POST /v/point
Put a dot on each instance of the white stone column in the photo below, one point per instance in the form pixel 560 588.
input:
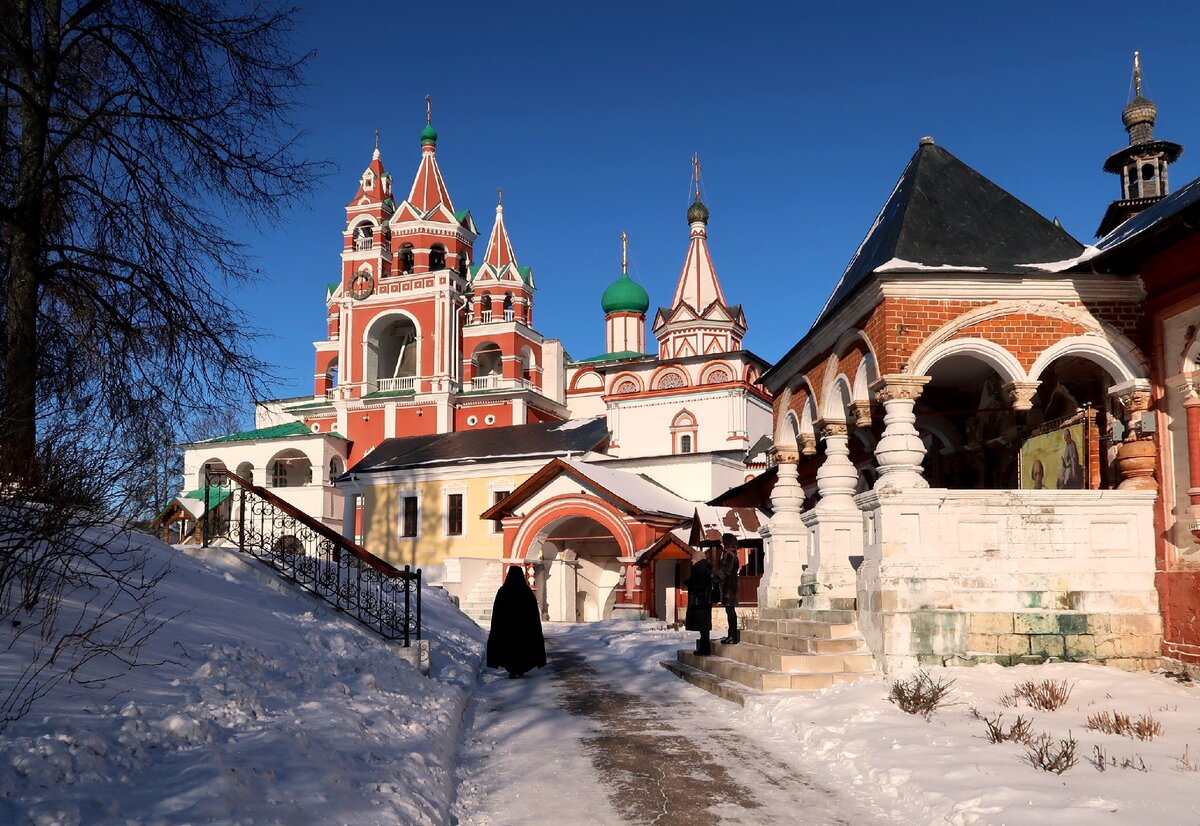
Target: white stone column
pixel 784 536
pixel 900 451
pixel 349 512
pixel 837 478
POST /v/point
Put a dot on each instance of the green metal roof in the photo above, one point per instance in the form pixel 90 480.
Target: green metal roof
pixel 331 287
pixel 429 134
pixel 380 394
pixel 623 354
pixel 462 214
pixel 211 496
pixel 525 273
pixel 309 406
pixel 273 432
pixel 625 296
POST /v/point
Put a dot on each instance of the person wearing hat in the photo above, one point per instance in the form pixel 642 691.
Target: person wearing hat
pixel 699 607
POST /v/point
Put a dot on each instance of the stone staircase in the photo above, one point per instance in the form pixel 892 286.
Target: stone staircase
pixel 478 604
pixel 785 649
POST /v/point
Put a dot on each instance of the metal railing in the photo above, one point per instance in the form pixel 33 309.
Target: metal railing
pixel 314 556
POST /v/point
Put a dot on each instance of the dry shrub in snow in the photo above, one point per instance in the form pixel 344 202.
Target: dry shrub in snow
pixel 921 693
pixel 1145 727
pixel 1019 732
pixel 1052 755
pixel 1046 695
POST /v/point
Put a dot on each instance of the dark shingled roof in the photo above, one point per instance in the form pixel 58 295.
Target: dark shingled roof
pixel 488 444
pixel 1148 220
pixel 943 212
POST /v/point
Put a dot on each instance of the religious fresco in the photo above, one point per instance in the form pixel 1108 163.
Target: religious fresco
pixel 1056 459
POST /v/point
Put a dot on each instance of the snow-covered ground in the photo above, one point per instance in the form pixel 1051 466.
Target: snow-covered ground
pixel 271 708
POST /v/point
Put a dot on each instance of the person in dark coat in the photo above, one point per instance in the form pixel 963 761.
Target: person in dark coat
pixel 727 579
pixel 515 641
pixel 699 607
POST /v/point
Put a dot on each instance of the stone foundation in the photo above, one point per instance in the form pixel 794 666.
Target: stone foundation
pixel 968 577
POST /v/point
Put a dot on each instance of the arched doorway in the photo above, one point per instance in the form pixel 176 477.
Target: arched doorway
pixel 580 571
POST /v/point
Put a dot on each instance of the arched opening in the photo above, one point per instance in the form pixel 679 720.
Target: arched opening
pixel 364 236
pixel 437 257
pixel 684 431
pixel 289 469
pixel 528 363
pixel 405 259
pixel 508 307
pixel 336 468
pixel 246 471
pixel 580 572
pixel 487 366
pixel 211 467
pixel 392 354
pixel 485 307
pixel 968 426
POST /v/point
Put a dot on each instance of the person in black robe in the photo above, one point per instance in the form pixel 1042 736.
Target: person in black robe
pixel 515 642
pixel 699 606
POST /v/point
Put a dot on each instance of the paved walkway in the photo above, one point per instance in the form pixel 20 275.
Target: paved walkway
pixel 597 739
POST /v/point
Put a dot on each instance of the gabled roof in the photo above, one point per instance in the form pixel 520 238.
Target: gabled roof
pixel 632 492
pixel 487 445
pixel 500 261
pixel 944 214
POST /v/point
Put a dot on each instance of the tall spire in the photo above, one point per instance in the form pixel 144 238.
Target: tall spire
pixel 1142 165
pixel 375 155
pixel 699 321
pixel 499 249
pixel 429 189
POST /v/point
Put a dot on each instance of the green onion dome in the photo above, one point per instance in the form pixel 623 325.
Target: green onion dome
pixel 625 296
pixel 697 212
pixel 428 134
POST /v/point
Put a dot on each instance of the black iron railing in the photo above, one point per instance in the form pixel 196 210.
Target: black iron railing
pixel 319 559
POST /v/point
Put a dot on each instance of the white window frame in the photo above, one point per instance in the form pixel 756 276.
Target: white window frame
pixel 447 492
pixel 400 497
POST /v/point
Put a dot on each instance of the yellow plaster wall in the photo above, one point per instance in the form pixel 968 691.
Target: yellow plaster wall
pixel 381 520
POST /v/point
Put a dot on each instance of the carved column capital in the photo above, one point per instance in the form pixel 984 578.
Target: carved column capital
pixel 862 413
pixel 1133 395
pixel 785 455
pixel 808 444
pixel 830 427
pixel 889 388
pixel 1020 394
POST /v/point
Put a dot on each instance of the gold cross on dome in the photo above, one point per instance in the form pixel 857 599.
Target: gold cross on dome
pixel 696 172
pixel 624 253
pixel 1137 74
pixel 428 109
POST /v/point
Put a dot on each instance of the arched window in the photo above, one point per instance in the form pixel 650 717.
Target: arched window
pixel 1133 182
pixel 406 259
pixel 437 257
pixel 279 475
pixel 683 432
pixel 670 380
pixel 335 468
pixel 508 307
pixel 485 307
pixel 363 236
pixel 624 386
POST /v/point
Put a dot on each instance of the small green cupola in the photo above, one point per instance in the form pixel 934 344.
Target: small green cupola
pixel 625 295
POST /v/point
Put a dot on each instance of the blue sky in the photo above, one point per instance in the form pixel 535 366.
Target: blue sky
pixel 804 117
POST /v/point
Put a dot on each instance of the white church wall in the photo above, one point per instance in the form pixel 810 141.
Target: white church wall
pixel 648 426
pixel 696 477
pixel 962 577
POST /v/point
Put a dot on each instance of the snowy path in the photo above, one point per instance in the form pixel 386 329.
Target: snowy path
pixel 599 737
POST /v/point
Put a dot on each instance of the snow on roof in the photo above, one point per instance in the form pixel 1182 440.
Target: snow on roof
pixel 900 264
pixel 710 521
pixel 635 489
pixel 1088 253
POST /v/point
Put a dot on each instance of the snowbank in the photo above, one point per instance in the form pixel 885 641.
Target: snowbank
pixel 268 707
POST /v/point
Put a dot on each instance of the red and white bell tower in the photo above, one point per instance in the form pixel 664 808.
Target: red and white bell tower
pixel 418 340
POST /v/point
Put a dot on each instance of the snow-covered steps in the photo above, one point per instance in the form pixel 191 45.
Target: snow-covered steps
pixel 478 604
pixel 785 649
